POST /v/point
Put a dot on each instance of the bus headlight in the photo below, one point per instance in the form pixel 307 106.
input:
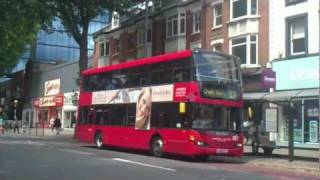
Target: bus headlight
pixel 239 145
pixel 201 143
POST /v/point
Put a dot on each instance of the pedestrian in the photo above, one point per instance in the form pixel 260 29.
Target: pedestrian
pixel 57 125
pixel 52 123
pixel 2 120
pixel 15 115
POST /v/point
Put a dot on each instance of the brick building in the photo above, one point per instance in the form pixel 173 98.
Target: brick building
pixel 234 27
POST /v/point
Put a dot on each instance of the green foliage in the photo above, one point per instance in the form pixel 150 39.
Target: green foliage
pixel 20 20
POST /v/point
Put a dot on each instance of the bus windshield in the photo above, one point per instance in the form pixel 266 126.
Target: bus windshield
pixel 215 67
pixel 218 75
pixel 211 117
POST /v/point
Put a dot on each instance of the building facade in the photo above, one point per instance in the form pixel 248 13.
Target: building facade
pixel 53 93
pixel 294 53
pixel 234 27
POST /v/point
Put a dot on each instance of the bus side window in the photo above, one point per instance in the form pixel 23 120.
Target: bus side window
pixel 161 73
pixel 91 116
pixel 181 70
pixel 131 115
pixel 139 76
pixel 118 115
pixel 83 115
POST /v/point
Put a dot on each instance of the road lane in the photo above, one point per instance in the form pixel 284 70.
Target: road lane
pixel 43 159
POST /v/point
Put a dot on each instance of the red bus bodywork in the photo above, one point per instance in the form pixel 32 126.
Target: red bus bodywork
pixel 176 141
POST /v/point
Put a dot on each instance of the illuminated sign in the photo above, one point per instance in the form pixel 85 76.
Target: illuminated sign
pixel 297 73
pixel 212 92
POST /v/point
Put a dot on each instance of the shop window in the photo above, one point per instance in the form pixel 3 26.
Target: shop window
pixel 311 126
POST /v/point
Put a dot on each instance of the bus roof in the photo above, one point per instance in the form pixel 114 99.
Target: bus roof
pixel 139 62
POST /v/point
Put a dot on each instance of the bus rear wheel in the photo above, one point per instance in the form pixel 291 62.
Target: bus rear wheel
pixel 98 140
pixel 157 147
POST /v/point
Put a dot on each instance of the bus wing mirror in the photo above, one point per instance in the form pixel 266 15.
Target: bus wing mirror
pixel 182 107
pixel 250 112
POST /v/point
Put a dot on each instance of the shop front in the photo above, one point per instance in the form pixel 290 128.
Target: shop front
pixel 48 107
pixel 297 99
pixel 69 109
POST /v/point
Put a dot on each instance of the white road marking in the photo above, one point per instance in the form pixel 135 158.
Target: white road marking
pixel 76 151
pixel 20 142
pixel 143 164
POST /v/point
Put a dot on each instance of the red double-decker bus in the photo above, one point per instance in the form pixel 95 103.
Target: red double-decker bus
pixel 187 103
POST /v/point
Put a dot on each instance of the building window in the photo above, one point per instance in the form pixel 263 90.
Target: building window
pixel 217 47
pixel 182 23
pixel 141 36
pixel 240 8
pixel 297 41
pixel 104 49
pixel 196 22
pixel 292 2
pixel 130 42
pixel 173 26
pixel 246 49
pixel 116 46
pixel 217 16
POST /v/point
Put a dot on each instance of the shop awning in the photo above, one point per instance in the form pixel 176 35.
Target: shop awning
pixel 254 95
pixel 282 95
pixel 293 94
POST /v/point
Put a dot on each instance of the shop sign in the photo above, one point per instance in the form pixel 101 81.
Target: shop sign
pixel 52 87
pixel 68 97
pixel 297 73
pixel 51 101
pixel 268 79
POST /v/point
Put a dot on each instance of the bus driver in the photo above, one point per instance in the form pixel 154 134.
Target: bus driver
pixel 143 113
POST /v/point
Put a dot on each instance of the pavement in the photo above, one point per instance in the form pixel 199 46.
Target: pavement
pixel 305 161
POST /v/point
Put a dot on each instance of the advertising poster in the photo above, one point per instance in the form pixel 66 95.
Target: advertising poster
pixel 271 119
pixel 52 87
pixel 143 110
pixel 313 131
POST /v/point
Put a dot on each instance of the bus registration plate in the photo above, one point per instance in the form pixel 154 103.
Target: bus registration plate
pixel 222 151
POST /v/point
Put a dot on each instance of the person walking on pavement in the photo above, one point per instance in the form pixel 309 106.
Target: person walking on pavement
pixel 15 115
pixel 2 120
pixel 57 125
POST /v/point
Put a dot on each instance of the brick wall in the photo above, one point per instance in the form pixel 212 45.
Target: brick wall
pixel 263 38
pixel 158 37
pixel 96 54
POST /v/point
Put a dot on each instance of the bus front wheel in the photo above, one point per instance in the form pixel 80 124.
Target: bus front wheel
pixel 99 140
pixel 157 147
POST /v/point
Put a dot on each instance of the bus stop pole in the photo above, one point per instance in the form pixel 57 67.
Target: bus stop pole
pixel 290 134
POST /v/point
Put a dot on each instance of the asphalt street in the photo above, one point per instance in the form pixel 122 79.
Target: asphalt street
pixel 23 158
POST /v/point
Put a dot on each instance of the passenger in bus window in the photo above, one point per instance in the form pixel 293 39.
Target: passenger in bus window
pixel 143 113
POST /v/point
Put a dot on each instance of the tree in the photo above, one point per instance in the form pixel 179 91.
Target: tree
pixel 76 15
pixel 20 20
